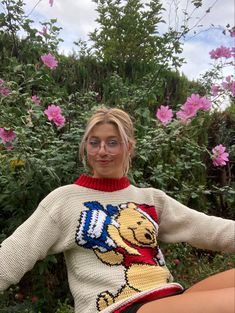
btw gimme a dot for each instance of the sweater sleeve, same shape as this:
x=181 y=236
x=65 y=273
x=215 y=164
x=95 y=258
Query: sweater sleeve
x=37 y=237
x=179 y=223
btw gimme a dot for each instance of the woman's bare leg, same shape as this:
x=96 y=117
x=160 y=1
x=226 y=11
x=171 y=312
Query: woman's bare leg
x=218 y=281
x=210 y=301
x=215 y=294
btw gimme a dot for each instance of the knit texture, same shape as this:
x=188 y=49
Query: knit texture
x=109 y=232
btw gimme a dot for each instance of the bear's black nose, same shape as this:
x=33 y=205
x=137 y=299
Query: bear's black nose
x=147 y=236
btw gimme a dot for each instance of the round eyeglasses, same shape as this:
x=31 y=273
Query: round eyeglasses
x=111 y=146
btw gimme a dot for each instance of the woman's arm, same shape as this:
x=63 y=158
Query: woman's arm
x=37 y=237
x=178 y=223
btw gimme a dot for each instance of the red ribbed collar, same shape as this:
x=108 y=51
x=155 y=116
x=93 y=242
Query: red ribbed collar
x=103 y=184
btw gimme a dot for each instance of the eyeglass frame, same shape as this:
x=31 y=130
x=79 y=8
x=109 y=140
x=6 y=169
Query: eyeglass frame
x=104 y=145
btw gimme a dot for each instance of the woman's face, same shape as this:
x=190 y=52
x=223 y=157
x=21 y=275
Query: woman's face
x=105 y=151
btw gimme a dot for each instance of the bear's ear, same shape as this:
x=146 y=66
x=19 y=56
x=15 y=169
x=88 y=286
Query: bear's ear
x=128 y=205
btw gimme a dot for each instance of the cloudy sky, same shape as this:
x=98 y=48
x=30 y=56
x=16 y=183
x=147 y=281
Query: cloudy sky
x=77 y=18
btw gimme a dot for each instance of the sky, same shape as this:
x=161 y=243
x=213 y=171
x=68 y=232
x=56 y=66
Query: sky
x=77 y=19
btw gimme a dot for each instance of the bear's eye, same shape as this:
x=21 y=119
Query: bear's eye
x=143 y=217
x=139 y=223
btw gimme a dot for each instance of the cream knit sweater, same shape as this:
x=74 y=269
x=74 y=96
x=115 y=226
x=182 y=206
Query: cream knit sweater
x=108 y=231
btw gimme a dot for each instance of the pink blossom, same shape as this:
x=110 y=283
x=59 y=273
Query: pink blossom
x=164 y=114
x=232 y=33
x=205 y=104
x=215 y=89
x=194 y=100
x=186 y=113
x=220 y=52
x=49 y=60
x=43 y=32
x=191 y=106
x=53 y=113
x=1 y=82
x=226 y=83
x=232 y=88
x=233 y=52
x=219 y=157
x=59 y=120
x=7 y=135
x=5 y=91
x=51 y=2
x=36 y=99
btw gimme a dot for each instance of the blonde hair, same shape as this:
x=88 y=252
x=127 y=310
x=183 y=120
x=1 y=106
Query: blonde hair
x=122 y=121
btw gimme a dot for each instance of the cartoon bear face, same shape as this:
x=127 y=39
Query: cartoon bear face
x=137 y=227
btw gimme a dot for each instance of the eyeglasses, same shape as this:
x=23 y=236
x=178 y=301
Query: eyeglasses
x=112 y=146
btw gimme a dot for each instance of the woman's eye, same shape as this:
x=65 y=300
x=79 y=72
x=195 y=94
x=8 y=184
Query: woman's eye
x=112 y=143
x=94 y=143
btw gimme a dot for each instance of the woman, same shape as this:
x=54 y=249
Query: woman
x=108 y=231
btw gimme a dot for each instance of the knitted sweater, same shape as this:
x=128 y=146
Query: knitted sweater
x=108 y=231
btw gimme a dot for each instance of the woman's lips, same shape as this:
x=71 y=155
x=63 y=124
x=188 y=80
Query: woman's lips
x=104 y=162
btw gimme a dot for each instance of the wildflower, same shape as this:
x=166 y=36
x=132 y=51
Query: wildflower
x=195 y=100
x=59 y=120
x=186 y=113
x=215 y=89
x=14 y=164
x=164 y=114
x=5 y=91
x=232 y=32
x=44 y=31
x=49 y=60
x=51 y=2
x=2 y=82
x=7 y=135
x=36 y=99
x=53 y=113
x=219 y=157
x=233 y=52
x=205 y=104
x=220 y=53
x=232 y=88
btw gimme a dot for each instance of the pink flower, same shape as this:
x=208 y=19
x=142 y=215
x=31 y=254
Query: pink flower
x=220 y=52
x=51 y=2
x=2 y=82
x=44 y=31
x=219 y=157
x=186 y=113
x=232 y=88
x=59 y=120
x=53 y=113
x=164 y=114
x=205 y=104
x=191 y=106
x=194 y=100
x=36 y=99
x=7 y=135
x=49 y=60
x=5 y=91
x=233 y=52
x=215 y=89
x=232 y=33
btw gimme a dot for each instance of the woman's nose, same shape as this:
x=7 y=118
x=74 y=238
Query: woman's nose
x=102 y=149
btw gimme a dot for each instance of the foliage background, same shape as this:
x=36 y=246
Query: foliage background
x=174 y=158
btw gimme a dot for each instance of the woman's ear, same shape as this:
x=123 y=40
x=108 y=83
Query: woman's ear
x=130 y=148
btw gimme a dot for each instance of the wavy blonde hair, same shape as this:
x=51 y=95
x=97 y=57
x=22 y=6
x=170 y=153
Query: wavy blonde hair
x=122 y=121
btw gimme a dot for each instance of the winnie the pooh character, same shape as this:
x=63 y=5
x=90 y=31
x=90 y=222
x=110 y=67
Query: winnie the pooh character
x=124 y=235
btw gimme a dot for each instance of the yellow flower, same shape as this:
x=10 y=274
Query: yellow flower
x=14 y=164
